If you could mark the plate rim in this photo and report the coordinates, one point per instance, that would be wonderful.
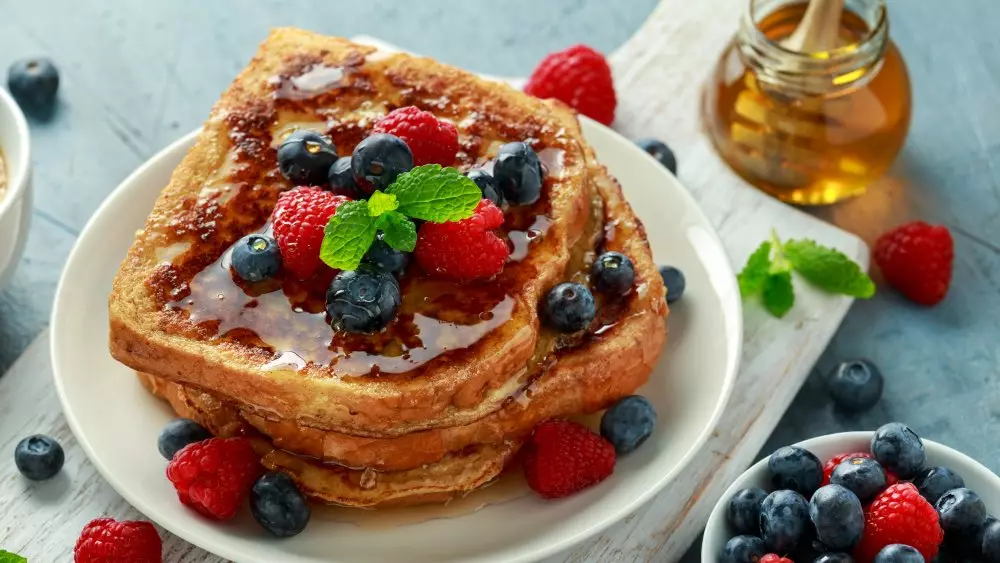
(565, 542)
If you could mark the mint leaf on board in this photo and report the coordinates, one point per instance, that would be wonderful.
(381, 202)
(348, 236)
(397, 231)
(437, 194)
(779, 296)
(8, 557)
(828, 269)
(755, 272)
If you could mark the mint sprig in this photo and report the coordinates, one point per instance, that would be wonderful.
(8, 557)
(768, 273)
(429, 192)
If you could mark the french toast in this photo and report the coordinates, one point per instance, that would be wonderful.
(437, 403)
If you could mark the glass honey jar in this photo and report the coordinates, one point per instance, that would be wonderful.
(809, 122)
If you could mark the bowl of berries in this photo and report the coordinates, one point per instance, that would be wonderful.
(886, 496)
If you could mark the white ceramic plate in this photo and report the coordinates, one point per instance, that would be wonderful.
(117, 422)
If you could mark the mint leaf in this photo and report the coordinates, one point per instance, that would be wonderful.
(397, 231)
(8, 557)
(755, 272)
(381, 202)
(828, 269)
(778, 293)
(348, 236)
(437, 194)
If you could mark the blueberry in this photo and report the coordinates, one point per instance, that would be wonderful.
(743, 549)
(961, 511)
(855, 385)
(38, 457)
(839, 519)
(862, 476)
(569, 307)
(970, 546)
(362, 300)
(794, 468)
(933, 482)
(305, 158)
(661, 152)
(34, 83)
(784, 520)
(518, 172)
(179, 433)
(613, 273)
(834, 558)
(278, 505)
(380, 159)
(899, 553)
(256, 258)
(743, 512)
(487, 184)
(628, 423)
(991, 541)
(674, 280)
(341, 180)
(386, 258)
(898, 448)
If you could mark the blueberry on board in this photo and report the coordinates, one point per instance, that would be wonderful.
(363, 300)
(898, 553)
(743, 549)
(569, 307)
(932, 482)
(898, 448)
(961, 512)
(862, 476)
(661, 152)
(278, 505)
(256, 258)
(855, 385)
(386, 258)
(341, 179)
(991, 541)
(834, 558)
(674, 280)
(838, 517)
(39, 457)
(628, 423)
(743, 511)
(380, 159)
(794, 468)
(518, 173)
(487, 184)
(305, 158)
(613, 273)
(784, 520)
(34, 83)
(179, 433)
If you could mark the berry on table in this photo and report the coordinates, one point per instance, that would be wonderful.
(743, 511)
(386, 258)
(899, 553)
(855, 385)
(341, 180)
(487, 184)
(861, 475)
(795, 468)
(305, 158)
(916, 259)
(256, 258)
(565, 457)
(613, 273)
(628, 423)
(962, 512)
(674, 280)
(431, 140)
(661, 152)
(177, 434)
(518, 173)
(898, 448)
(214, 476)
(106, 540)
(278, 505)
(39, 457)
(743, 549)
(784, 520)
(299, 220)
(465, 250)
(569, 307)
(900, 515)
(34, 84)
(380, 158)
(363, 300)
(579, 77)
(838, 517)
(932, 482)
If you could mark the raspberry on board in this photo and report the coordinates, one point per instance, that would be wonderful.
(579, 77)
(916, 259)
(298, 219)
(464, 250)
(565, 457)
(900, 515)
(431, 140)
(106, 540)
(215, 476)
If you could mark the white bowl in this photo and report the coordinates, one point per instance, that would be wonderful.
(977, 477)
(15, 203)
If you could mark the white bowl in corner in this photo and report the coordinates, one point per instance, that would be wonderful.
(15, 202)
(977, 477)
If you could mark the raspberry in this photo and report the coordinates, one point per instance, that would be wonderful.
(298, 219)
(106, 540)
(772, 558)
(900, 515)
(565, 457)
(431, 140)
(579, 77)
(464, 250)
(215, 476)
(916, 259)
(833, 462)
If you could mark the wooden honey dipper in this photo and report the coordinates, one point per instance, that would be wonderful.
(819, 29)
